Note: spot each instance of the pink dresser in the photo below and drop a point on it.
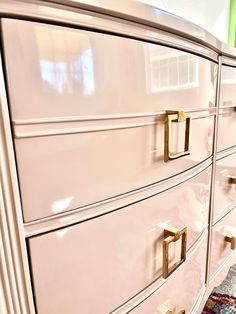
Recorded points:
(117, 159)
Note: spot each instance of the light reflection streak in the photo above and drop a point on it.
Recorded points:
(61, 205)
(61, 233)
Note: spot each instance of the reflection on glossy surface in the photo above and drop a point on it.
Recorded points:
(126, 244)
(182, 290)
(170, 71)
(227, 118)
(225, 194)
(228, 83)
(62, 67)
(72, 72)
(227, 230)
(66, 62)
(62, 232)
(221, 249)
(103, 162)
(226, 128)
(61, 205)
(199, 225)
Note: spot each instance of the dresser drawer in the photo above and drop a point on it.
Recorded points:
(226, 128)
(183, 290)
(223, 240)
(227, 118)
(227, 87)
(221, 274)
(72, 72)
(225, 188)
(85, 130)
(115, 256)
(64, 172)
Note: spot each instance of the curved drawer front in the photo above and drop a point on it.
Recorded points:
(228, 84)
(227, 128)
(223, 240)
(225, 185)
(72, 72)
(182, 291)
(222, 273)
(63, 172)
(227, 119)
(85, 128)
(115, 256)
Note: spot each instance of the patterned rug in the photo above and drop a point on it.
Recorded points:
(223, 298)
(220, 303)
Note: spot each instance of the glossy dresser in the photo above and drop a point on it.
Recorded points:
(118, 159)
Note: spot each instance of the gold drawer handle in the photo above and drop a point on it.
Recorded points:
(232, 180)
(176, 116)
(180, 312)
(172, 234)
(232, 240)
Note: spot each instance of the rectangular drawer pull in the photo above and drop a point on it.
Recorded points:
(176, 116)
(232, 240)
(232, 180)
(180, 312)
(172, 234)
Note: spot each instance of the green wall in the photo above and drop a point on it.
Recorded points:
(232, 23)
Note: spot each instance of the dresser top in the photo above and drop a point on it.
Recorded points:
(129, 10)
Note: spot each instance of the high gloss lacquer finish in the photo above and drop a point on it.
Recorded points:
(72, 72)
(221, 247)
(73, 76)
(115, 256)
(88, 101)
(182, 290)
(225, 186)
(227, 118)
(87, 167)
(227, 128)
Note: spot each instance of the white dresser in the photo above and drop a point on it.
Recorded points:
(117, 159)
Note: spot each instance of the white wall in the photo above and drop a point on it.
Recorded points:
(212, 15)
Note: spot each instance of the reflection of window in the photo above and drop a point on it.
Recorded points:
(54, 73)
(82, 71)
(228, 75)
(172, 70)
(65, 60)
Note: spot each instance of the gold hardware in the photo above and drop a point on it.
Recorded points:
(232, 240)
(180, 312)
(176, 116)
(232, 180)
(172, 234)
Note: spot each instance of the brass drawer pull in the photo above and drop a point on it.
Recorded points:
(232, 180)
(176, 116)
(172, 234)
(180, 312)
(232, 240)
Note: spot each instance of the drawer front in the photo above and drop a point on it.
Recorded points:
(221, 274)
(72, 72)
(117, 254)
(227, 88)
(222, 236)
(64, 172)
(227, 119)
(226, 128)
(182, 291)
(69, 154)
(225, 187)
